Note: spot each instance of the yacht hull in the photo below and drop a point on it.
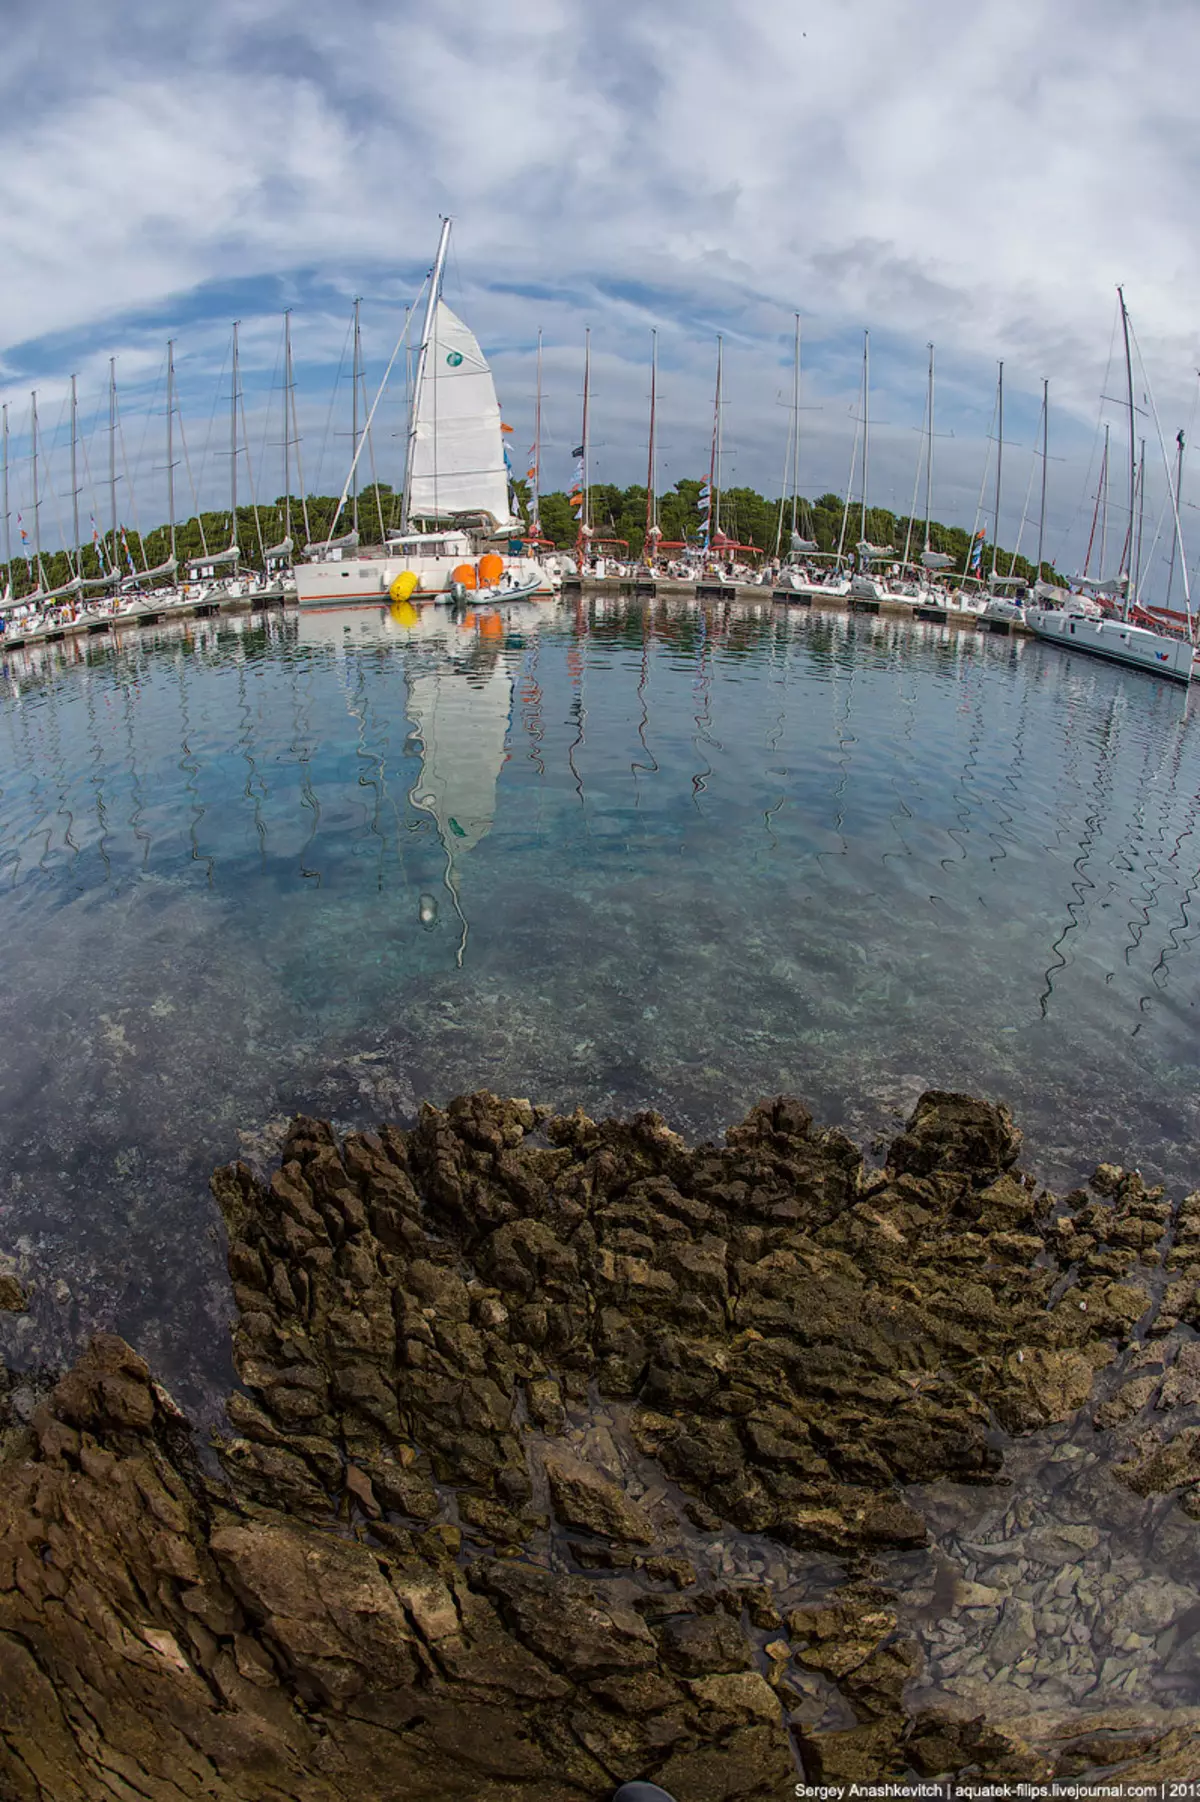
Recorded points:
(359, 581)
(1134, 646)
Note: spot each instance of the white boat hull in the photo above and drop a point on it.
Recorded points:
(359, 581)
(1135, 646)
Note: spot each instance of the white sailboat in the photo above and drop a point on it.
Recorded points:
(1122, 640)
(455, 480)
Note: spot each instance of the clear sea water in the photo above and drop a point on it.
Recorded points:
(615, 854)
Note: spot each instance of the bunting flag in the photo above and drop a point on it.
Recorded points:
(976, 564)
(24, 533)
(128, 553)
(505, 428)
(531, 473)
(578, 451)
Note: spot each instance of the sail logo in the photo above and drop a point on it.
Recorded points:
(454, 358)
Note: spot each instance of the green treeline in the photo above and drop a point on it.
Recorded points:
(747, 517)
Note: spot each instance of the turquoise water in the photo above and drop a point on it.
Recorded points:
(620, 855)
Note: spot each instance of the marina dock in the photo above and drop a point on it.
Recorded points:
(643, 588)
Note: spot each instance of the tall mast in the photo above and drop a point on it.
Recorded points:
(115, 565)
(1141, 494)
(866, 430)
(714, 461)
(585, 511)
(295, 428)
(651, 472)
(1132, 442)
(999, 462)
(1045, 461)
(535, 511)
(7, 515)
(929, 455)
(74, 479)
(233, 445)
(37, 524)
(1178, 486)
(287, 423)
(435, 291)
(796, 426)
(171, 442)
(354, 429)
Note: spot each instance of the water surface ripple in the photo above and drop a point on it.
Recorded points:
(616, 854)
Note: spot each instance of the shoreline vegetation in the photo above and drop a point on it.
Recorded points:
(565, 1453)
(617, 513)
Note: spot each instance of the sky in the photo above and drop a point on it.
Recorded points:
(980, 178)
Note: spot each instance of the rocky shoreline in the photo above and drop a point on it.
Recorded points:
(565, 1453)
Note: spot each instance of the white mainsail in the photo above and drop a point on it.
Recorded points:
(457, 451)
(462, 720)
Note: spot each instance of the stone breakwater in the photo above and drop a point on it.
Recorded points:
(565, 1453)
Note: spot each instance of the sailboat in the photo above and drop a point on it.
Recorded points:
(205, 569)
(456, 480)
(792, 574)
(863, 585)
(1120, 639)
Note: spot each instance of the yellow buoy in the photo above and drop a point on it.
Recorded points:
(404, 586)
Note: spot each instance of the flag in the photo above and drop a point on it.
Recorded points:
(24, 533)
(531, 473)
(578, 451)
(976, 564)
(505, 428)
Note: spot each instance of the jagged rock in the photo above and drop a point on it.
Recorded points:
(13, 1299)
(425, 1319)
(583, 1497)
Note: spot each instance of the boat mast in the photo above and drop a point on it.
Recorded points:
(651, 474)
(714, 460)
(535, 511)
(171, 442)
(287, 424)
(999, 461)
(1132, 445)
(796, 426)
(233, 448)
(1045, 460)
(862, 532)
(929, 455)
(1178, 487)
(295, 425)
(37, 523)
(354, 428)
(435, 291)
(7, 514)
(585, 509)
(1141, 494)
(115, 565)
(75, 481)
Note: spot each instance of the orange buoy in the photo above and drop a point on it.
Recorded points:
(464, 575)
(491, 626)
(491, 568)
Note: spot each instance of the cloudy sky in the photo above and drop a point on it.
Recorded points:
(978, 177)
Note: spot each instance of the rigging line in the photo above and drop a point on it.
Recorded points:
(128, 485)
(329, 413)
(1187, 589)
(262, 454)
(250, 479)
(212, 417)
(374, 405)
(187, 463)
(362, 376)
(1033, 463)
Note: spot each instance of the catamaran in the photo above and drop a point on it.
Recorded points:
(456, 480)
(1121, 639)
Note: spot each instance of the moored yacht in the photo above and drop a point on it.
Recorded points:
(456, 481)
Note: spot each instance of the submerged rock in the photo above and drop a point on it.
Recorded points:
(472, 1361)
